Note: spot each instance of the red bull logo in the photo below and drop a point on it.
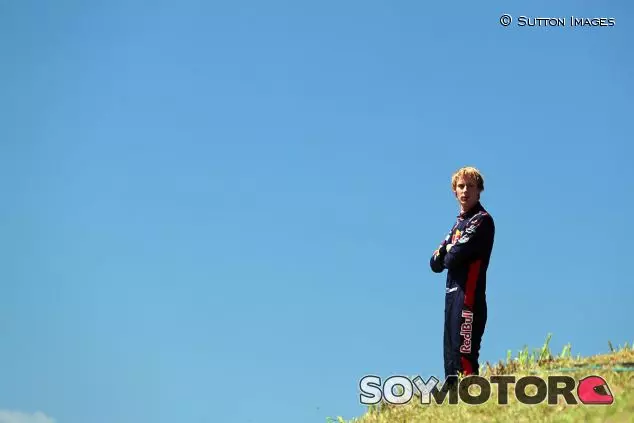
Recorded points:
(465, 331)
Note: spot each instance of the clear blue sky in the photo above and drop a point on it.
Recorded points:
(224, 211)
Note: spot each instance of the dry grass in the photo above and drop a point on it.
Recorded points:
(615, 367)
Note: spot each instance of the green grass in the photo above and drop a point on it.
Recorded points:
(612, 367)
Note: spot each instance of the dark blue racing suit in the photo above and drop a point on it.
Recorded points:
(465, 298)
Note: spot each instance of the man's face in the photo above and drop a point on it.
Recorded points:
(467, 192)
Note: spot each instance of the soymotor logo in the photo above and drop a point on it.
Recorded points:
(590, 390)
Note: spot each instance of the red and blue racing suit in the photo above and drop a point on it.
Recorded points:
(465, 299)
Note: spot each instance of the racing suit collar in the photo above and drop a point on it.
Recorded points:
(472, 211)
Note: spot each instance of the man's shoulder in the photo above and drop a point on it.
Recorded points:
(482, 216)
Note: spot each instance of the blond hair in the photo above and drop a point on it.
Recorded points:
(468, 172)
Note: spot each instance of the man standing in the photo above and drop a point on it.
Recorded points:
(465, 254)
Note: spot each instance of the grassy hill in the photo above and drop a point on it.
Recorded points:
(616, 367)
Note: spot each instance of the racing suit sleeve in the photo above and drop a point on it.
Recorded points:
(436, 261)
(477, 238)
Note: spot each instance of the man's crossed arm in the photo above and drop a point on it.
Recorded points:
(476, 237)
